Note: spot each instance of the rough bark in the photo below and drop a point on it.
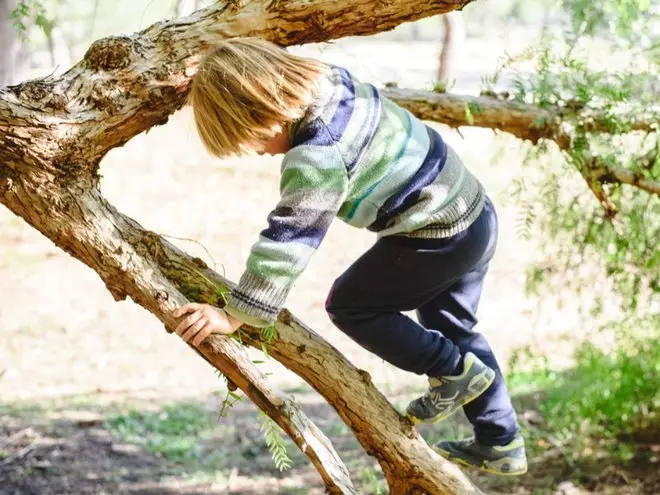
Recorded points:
(53, 134)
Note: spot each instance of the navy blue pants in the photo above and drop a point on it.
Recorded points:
(442, 280)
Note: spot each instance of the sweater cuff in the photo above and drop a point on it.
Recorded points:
(243, 317)
(257, 298)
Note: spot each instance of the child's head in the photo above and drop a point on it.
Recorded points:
(246, 91)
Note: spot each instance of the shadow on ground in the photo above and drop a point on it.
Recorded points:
(84, 445)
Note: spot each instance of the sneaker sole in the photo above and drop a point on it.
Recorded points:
(490, 378)
(482, 467)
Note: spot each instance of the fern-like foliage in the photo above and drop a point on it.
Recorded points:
(230, 399)
(580, 228)
(275, 442)
(268, 334)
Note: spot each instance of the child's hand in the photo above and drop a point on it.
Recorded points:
(203, 320)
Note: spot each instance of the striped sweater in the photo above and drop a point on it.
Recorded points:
(357, 156)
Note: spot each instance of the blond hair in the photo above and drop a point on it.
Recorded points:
(246, 89)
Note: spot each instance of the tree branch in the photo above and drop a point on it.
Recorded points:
(140, 80)
(524, 121)
(139, 264)
(624, 176)
(121, 252)
(303, 351)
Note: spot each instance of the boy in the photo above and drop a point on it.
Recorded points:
(350, 152)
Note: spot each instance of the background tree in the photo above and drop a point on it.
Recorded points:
(454, 33)
(13, 56)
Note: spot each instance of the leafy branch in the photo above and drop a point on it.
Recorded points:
(275, 442)
(28, 10)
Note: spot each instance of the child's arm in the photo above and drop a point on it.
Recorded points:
(313, 186)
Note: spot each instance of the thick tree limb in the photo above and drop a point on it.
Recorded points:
(307, 354)
(524, 121)
(140, 80)
(54, 131)
(82, 223)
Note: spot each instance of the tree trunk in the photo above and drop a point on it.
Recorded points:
(13, 53)
(451, 45)
(53, 134)
(91, 23)
(57, 46)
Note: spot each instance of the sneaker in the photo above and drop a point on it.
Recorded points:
(447, 394)
(507, 460)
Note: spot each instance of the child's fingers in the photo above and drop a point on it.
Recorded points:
(178, 313)
(194, 328)
(202, 335)
(187, 322)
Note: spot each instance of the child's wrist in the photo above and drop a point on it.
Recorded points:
(234, 322)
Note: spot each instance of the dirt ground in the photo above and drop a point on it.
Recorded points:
(72, 359)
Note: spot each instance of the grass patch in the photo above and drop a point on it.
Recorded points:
(372, 481)
(612, 392)
(173, 432)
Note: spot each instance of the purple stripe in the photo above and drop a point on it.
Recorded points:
(303, 225)
(254, 302)
(375, 116)
(345, 107)
(431, 166)
(316, 133)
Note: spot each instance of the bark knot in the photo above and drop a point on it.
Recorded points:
(285, 316)
(7, 180)
(161, 296)
(234, 5)
(44, 90)
(112, 53)
(199, 263)
(365, 377)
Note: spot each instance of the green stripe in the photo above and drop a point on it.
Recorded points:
(310, 177)
(280, 265)
(386, 145)
(402, 150)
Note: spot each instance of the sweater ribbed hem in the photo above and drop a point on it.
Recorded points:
(461, 220)
(257, 297)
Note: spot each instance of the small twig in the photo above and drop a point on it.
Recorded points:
(586, 166)
(199, 244)
(17, 455)
(625, 176)
(558, 448)
(10, 440)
